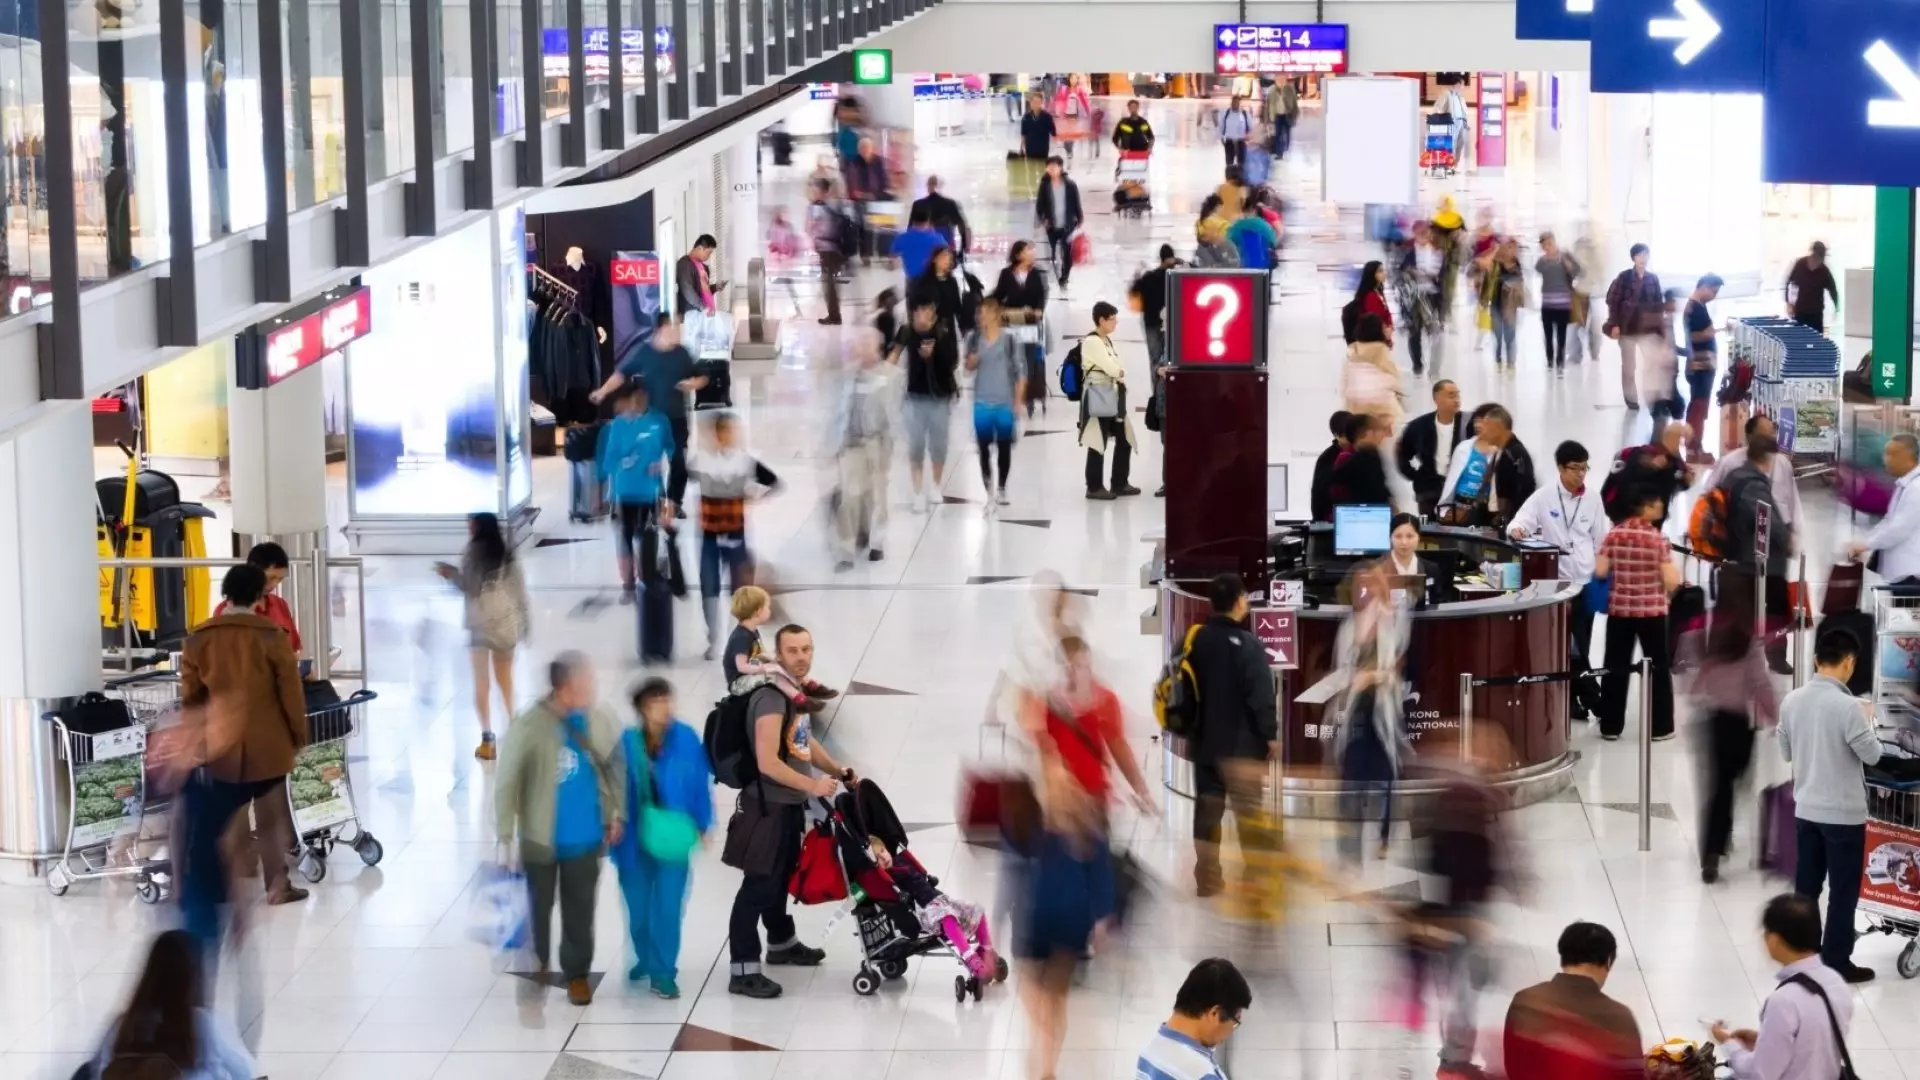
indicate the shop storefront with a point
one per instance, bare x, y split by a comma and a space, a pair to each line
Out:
438, 400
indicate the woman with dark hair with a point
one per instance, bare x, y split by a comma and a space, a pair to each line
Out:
1021, 292
1732, 695
497, 616
167, 1029
1369, 298
940, 287
1370, 380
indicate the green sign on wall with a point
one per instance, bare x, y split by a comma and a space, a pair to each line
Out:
1892, 293
872, 67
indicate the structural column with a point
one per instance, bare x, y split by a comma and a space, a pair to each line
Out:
49, 616
277, 443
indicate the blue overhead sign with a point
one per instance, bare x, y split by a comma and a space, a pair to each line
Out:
1279, 48
1552, 20
1680, 46
1842, 97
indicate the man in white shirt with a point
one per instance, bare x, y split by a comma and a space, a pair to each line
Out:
1209, 1008
1894, 544
1571, 518
1804, 1021
1786, 503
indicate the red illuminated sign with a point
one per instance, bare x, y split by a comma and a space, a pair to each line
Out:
301, 344
1218, 318
636, 271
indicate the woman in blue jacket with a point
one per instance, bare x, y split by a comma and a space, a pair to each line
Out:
672, 809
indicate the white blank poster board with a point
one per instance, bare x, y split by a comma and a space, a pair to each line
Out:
1374, 135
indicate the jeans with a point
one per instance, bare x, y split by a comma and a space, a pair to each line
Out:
656, 895
717, 550
993, 429
1114, 431
1699, 400
1727, 743
1580, 631
206, 806
573, 882
830, 264
1504, 328
1236, 151
1060, 249
1282, 136
1156, 343
762, 899
1553, 327
1365, 768
1836, 854
1622, 633
1239, 784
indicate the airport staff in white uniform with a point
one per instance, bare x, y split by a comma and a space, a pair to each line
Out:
1895, 542
1569, 516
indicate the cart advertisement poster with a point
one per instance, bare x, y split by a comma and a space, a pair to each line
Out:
1892, 874
106, 800
318, 787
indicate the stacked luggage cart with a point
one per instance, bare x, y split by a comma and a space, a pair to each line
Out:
102, 741
1796, 382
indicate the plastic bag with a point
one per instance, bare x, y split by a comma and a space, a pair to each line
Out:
502, 910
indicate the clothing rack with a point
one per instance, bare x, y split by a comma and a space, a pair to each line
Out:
551, 286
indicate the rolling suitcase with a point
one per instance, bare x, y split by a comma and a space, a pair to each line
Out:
655, 608
1779, 846
718, 393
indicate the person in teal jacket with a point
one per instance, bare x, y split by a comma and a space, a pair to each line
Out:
631, 459
667, 778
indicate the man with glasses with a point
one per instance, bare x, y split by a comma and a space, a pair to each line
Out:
1208, 1009
1569, 517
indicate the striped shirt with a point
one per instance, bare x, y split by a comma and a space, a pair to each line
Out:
1170, 1055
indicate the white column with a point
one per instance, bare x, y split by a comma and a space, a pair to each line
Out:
890, 106
744, 235
277, 449
1575, 108
49, 610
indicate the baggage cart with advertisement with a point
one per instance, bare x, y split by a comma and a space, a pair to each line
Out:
1131, 195
1437, 156
102, 739
320, 789
1890, 874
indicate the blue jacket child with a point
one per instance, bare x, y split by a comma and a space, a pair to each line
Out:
631, 456
676, 782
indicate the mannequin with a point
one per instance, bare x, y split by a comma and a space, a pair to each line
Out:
577, 272
576, 258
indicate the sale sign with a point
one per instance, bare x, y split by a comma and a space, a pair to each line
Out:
637, 271
1891, 874
1217, 318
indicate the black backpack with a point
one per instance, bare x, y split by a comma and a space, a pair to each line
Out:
729, 740
1350, 321
1072, 375
849, 234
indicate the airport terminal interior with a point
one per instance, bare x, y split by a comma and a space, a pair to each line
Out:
377, 976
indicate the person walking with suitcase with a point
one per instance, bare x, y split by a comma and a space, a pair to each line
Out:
634, 451
1733, 694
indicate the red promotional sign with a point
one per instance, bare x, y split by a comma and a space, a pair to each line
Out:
636, 271
1276, 630
306, 341
1217, 319
1891, 875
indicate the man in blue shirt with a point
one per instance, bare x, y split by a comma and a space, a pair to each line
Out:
1206, 1011
915, 247
668, 370
632, 458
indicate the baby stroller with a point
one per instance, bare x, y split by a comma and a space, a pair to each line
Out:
1131, 197
898, 909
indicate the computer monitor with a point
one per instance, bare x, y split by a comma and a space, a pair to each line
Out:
1360, 530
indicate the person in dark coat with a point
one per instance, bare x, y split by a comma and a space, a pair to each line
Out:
1056, 207
1360, 478
940, 287
1658, 468
945, 215
1036, 130
1320, 500
1237, 733
1420, 454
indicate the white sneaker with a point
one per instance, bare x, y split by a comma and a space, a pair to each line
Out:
919, 504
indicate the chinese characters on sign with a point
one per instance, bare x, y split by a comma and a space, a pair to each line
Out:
1279, 49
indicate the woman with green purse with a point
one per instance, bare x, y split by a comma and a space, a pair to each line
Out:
668, 789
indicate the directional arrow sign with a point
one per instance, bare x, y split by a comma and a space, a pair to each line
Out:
1680, 46
1275, 629
1842, 96
1694, 29
1553, 20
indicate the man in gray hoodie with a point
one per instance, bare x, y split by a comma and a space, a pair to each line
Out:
1827, 734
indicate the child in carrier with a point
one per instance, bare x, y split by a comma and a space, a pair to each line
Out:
747, 666
962, 924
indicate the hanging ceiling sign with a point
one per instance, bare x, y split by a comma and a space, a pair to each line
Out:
1279, 48
1842, 93
1680, 46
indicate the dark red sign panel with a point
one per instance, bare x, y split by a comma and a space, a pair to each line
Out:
306, 341
1218, 319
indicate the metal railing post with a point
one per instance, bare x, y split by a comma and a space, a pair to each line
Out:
1646, 754
1801, 631
323, 618
1466, 715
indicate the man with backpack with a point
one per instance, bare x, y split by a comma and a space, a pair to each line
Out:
765, 747
1739, 497
1235, 729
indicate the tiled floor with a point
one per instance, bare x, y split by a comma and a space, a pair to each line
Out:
374, 977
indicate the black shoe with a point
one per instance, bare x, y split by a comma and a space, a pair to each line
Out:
679, 513
1855, 974
876, 555
1128, 490
1101, 494
755, 985
1609, 738
796, 955
842, 566
1710, 873
1779, 666
1160, 492
829, 322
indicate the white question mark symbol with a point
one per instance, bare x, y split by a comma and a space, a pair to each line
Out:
1229, 307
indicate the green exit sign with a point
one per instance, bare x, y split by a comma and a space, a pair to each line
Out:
872, 67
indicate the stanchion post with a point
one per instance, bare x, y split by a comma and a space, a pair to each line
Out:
1466, 714
323, 618
1646, 754
1801, 630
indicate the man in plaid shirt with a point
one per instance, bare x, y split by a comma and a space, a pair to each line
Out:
1635, 561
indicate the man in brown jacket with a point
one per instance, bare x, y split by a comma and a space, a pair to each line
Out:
1566, 1028
246, 717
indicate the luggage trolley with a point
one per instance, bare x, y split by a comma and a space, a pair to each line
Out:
1132, 197
1437, 156
103, 740
320, 791
1890, 875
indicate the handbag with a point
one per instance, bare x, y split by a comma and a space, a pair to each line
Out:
1102, 397
1596, 594
667, 835
817, 876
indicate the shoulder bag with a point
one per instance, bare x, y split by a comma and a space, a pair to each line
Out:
1807, 983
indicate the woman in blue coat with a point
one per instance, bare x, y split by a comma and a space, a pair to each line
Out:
672, 808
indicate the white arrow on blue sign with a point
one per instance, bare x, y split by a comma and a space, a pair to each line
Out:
1842, 96
1680, 46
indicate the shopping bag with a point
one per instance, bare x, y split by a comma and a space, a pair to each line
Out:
501, 910
817, 877
1082, 249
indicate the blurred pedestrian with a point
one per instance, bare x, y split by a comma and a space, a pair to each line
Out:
1469, 858
560, 800
1149, 294
931, 355
1567, 1028
1732, 695
1073, 112
1021, 292
729, 476
1320, 489
1254, 238
1749, 498
1636, 318
1105, 423
498, 616
940, 285
1371, 741
1281, 110
915, 247
867, 183
1370, 380
1557, 270
1236, 127
1209, 1007
1056, 208
244, 721
1639, 569
828, 227
1211, 246
944, 214
1237, 734
1036, 130
1360, 478
860, 440
1503, 294
1809, 284
671, 805
999, 381
1422, 276
632, 460
167, 1030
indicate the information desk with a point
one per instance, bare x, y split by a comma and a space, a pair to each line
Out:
1503, 635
